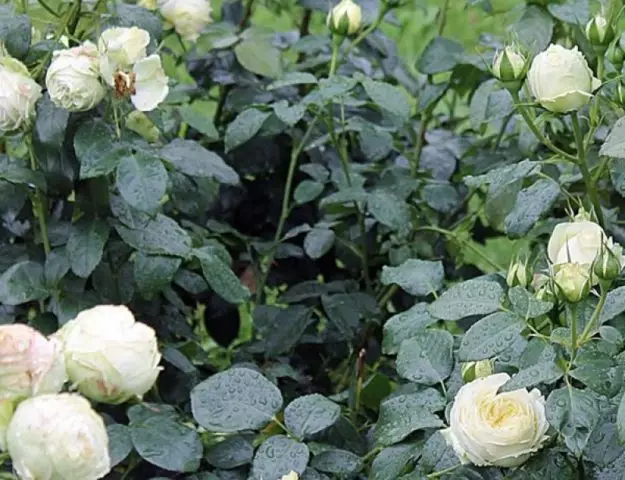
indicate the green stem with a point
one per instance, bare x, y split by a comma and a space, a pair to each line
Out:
420, 143
295, 153
442, 18
440, 473
48, 8
573, 323
376, 23
39, 201
535, 130
595, 315
591, 186
337, 40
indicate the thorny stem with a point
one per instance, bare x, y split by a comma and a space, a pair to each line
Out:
38, 200
295, 153
591, 186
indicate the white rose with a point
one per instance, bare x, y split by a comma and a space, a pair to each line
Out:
561, 80
572, 281
580, 242
147, 84
189, 17
120, 48
30, 363
73, 78
58, 437
290, 476
109, 357
18, 95
345, 18
503, 429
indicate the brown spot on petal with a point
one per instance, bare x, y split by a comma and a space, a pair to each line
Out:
125, 83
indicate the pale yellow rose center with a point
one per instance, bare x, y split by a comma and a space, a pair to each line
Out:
498, 412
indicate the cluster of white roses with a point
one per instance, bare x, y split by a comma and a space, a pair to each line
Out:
188, 17
75, 78
104, 354
581, 255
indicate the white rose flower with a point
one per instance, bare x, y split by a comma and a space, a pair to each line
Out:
147, 84
73, 78
109, 357
18, 95
30, 364
345, 18
58, 437
503, 429
581, 242
561, 80
120, 48
189, 17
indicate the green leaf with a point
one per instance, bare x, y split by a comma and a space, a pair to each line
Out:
417, 277
318, 242
279, 456
405, 325
293, 78
153, 273
574, 413
50, 123
259, 57
531, 204
620, 420
535, 29
244, 127
307, 191
15, 31
96, 150
218, 403
479, 296
136, 16
56, 267
192, 159
490, 336
614, 145
605, 379
289, 115
402, 415
391, 462
388, 97
160, 236
219, 275
526, 305
498, 178
21, 283
16, 171
338, 462
167, 444
389, 210
201, 121
310, 414
345, 311
232, 452
614, 305
120, 443
440, 55
85, 244
547, 373
617, 174
576, 12
426, 358
142, 180
490, 102
281, 328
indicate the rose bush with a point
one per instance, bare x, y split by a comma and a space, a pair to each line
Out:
307, 240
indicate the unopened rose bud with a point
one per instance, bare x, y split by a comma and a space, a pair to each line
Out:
480, 369
189, 17
608, 264
110, 357
599, 31
572, 282
510, 65
140, 123
58, 436
615, 54
345, 18
519, 273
